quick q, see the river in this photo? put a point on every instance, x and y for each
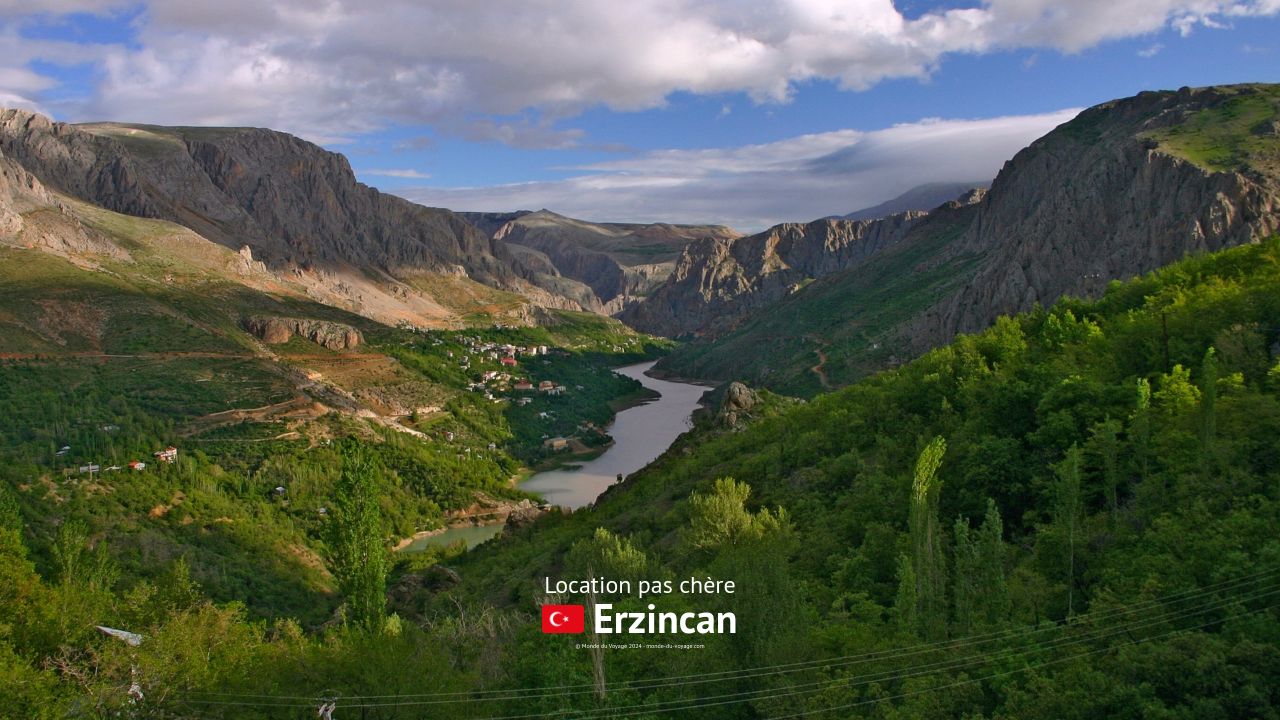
(640, 434)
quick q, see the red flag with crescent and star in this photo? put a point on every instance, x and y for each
(563, 619)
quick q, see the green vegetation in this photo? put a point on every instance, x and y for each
(1127, 480)
(1243, 131)
(777, 348)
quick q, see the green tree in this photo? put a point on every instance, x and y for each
(929, 563)
(1068, 508)
(720, 517)
(357, 552)
(609, 555)
(1105, 443)
(979, 590)
(1208, 400)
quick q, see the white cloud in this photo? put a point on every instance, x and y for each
(333, 68)
(754, 186)
(1150, 51)
(395, 173)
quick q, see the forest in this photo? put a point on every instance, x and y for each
(1069, 515)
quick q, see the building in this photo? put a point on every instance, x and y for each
(524, 385)
(508, 361)
(168, 454)
(137, 465)
(556, 444)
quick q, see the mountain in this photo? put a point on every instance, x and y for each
(1124, 188)
(615, 263)
(718, 281)
(287, 203)
(921, 197)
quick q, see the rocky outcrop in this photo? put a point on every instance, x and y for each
(33, 217)
(717, 282)
(738, 403)
(278, 330)
(408, 596)
(618, 262)
(292, 202)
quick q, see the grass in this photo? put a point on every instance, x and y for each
(1240, 132)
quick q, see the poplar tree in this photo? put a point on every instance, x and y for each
(1208, 398)
(928, 561)
(357, 551)
(1068, 507)
(1106, 443)
(979, 591)
(1140, 427)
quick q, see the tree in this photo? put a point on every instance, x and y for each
(720, 517)
(928, 561)
(1067, 511)
(1106, 444)
(980, 593)
(1208, 398)
(357, 552)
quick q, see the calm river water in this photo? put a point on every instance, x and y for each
(640, 435)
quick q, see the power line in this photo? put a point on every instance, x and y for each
(910, 671)
(826, 663)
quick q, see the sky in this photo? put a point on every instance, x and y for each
(743, 113)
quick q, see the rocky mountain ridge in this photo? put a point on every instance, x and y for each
(1122, 189)
(296, 207)
(718, 281)
(618, 263)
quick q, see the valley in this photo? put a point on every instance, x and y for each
(308, 447)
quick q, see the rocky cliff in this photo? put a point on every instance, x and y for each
(294, 203)
(618, 262)
(718, 281)
(277, 330)
(1102, 199)
(1124, 188)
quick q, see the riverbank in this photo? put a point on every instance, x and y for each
(648, 422)
(485, 513)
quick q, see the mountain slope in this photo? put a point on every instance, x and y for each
(295, 206)
(1120, 190)
(619, 262)
(718, 282)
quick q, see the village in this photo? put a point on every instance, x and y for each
(514, 374)
(168, 455)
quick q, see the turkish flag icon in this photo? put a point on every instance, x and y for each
(563, 619)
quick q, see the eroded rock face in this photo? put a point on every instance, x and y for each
(719, 281)
(291, 202)
(277, 330)
(32, 217)
(1099, 198)
(522, 517)
(739, 401)
(1092, 202)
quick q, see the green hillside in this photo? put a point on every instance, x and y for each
(1071, 514)
(138, 344)
(1243, 131)
(843, 318)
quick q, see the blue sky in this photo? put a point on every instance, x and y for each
(743, 113)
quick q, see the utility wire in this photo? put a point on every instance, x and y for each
(910, 671)
(826, 663)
